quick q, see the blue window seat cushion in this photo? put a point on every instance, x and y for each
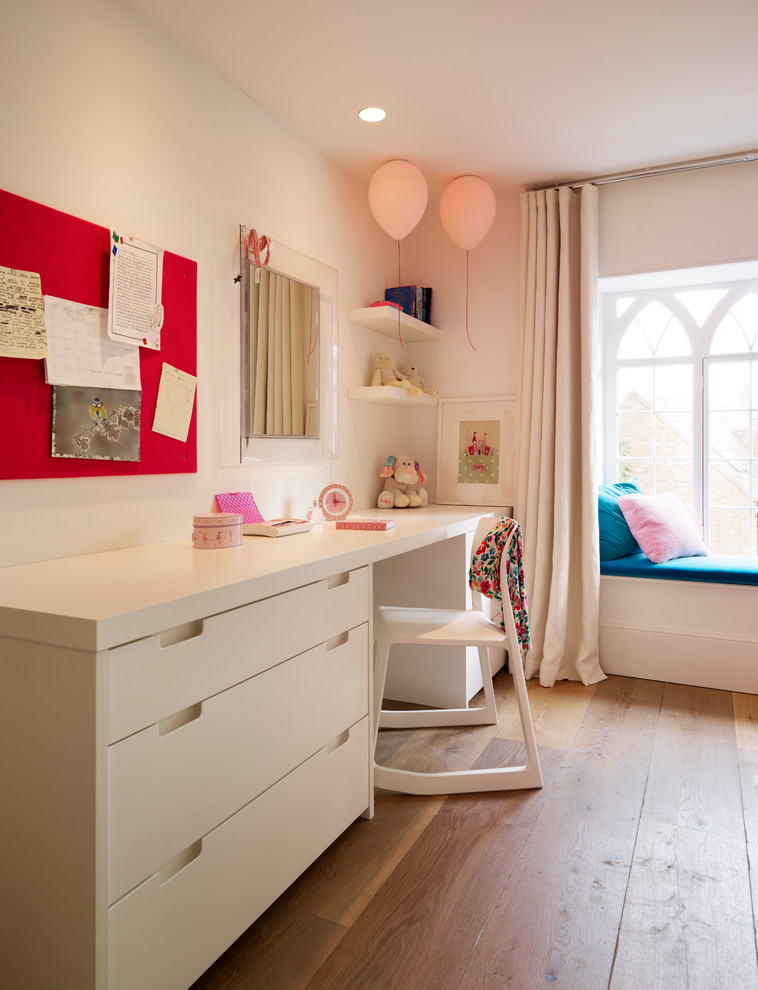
(715, 568)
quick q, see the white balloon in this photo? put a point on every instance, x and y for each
(467, 211)
(397, 196)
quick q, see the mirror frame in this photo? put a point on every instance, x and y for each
(262, 449)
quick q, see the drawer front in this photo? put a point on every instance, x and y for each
(167, 789)
(158, 675)
(167, 931)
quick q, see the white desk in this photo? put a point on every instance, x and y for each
(183, 732)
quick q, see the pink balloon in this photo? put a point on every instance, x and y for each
(397, 195)
(467, 211)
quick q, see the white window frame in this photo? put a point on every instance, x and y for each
(663, 286)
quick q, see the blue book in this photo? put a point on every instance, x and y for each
(403, 295)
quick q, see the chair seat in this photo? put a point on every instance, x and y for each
(437, 627)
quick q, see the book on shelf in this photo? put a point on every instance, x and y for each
(355, 522)
(277, 527)
(415, 300)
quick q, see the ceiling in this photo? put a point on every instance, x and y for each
(520, 92)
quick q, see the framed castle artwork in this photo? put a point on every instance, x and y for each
(475, 451)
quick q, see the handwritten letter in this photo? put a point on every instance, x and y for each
(22, 318)
(176, 397)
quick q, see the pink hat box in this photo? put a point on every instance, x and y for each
(217, 530)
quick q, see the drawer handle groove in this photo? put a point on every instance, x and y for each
(337, 580)
(179, 634)
(336, 641)
(175, 865)
(173, 722)
(338, 741)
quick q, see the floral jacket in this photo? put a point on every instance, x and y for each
(484, 574)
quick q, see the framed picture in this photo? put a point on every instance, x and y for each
(475, 451)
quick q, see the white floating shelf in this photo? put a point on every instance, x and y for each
(389, 396)
(383, 319)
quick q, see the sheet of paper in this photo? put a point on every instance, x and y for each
(22, 319)
(80, 352)
(135, 312)
(176, 397)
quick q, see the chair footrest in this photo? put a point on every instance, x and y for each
(457, 781)
(425, 718)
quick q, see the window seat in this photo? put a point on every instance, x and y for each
(688, 621)
(714, 569)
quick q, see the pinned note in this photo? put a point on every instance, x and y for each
(176, 397)
(22, 316)
(135, 312)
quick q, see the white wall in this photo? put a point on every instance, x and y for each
(106, 119)
(109, 121)
(702, 217)
(489, 365)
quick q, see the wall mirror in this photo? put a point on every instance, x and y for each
(288, 338)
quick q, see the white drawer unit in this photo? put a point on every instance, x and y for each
(182, 738)
(227, 735)
(222, 756)
(166, 789)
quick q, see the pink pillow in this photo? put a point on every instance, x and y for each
(661, 526)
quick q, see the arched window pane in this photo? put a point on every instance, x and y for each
(674, 342)
(622, 305)
(729, 337)
(664, 333)
(654, 319)
(745, 311)
(634, 343)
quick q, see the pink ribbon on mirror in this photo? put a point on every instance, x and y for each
(258, 245)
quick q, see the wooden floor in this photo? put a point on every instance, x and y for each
(629, 869)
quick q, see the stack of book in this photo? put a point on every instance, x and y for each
(415, 300)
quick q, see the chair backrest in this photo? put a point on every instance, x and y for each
(478, 601)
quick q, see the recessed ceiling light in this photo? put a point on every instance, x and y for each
(372, 114)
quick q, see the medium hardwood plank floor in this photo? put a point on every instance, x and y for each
(629, 870)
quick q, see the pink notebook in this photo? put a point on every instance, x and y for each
(356, 523)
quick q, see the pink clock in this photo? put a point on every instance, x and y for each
(336, 501)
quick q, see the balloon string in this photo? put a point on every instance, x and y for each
(399, 283)
(467, 333)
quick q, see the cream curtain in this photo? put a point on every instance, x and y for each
(556, 498)
(281, 319)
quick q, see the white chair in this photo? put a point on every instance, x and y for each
(449, 627)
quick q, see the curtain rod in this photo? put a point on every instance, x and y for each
(601, 180)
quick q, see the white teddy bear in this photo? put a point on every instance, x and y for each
(410, 372)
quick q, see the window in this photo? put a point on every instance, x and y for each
(680, 358)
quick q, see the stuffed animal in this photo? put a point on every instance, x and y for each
(385, 374)
(410, 372)
(403, 483)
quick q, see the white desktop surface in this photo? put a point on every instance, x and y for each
(96, 601)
